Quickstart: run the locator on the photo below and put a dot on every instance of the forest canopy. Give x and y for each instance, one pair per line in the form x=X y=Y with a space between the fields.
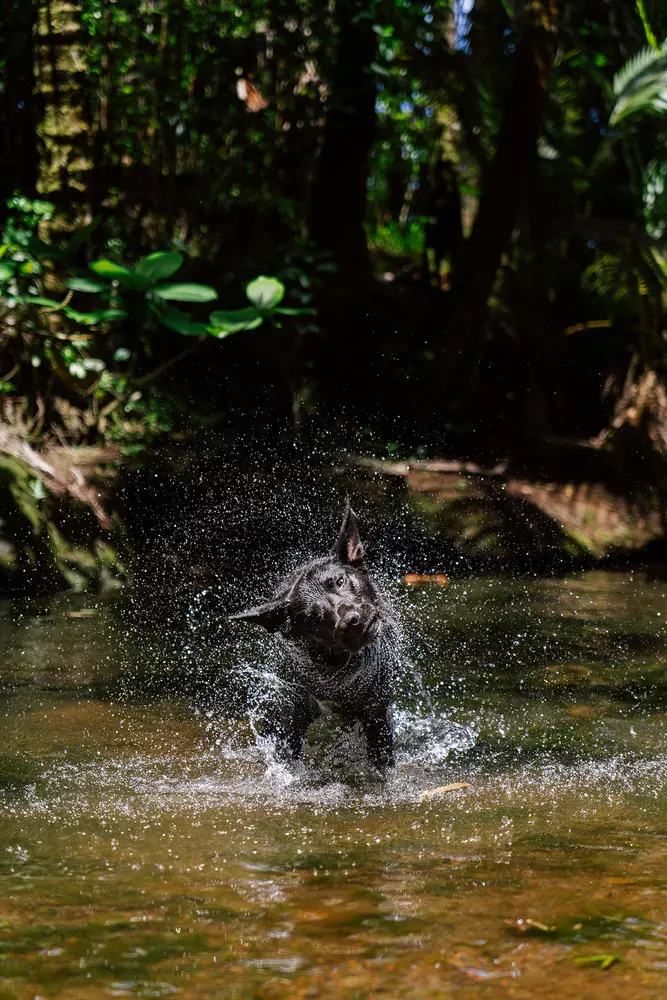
x=460 y=208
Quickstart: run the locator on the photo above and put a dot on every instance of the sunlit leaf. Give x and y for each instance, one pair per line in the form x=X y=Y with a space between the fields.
x=38 y=300
x=181 y=322
x=186 y=293
x=95 y=317
x=77 y=370
x=84 y=285
x=157 y=266
x=43 y=208
x=265 y=293
x=114 y=272
x=226 y=321
x=640 y=86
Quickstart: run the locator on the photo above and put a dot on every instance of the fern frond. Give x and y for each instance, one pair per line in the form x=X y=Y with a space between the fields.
x=641 y=85
x=639 y=63
x=606 y=274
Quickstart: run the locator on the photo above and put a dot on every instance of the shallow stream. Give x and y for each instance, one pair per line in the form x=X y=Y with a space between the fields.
x=146 y=849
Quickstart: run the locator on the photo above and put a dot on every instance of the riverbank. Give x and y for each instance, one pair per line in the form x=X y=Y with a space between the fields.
x=90 y=518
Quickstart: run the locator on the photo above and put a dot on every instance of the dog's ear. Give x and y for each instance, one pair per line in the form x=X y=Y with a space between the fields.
x=349 y=548
x=271 y=616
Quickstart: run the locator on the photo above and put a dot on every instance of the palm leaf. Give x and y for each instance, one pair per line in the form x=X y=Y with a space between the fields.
x=640 y=86
x=638 y=64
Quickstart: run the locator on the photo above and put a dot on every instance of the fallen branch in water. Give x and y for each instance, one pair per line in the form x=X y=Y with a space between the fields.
x=59 y=470
x=432 y=793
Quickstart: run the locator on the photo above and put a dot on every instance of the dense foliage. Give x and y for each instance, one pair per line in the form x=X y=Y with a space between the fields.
x=471 y=196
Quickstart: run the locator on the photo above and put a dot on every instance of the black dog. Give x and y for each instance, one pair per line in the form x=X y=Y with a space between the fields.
x=341 y=640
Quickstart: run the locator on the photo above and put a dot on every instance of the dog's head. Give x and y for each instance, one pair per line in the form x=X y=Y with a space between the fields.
x=330 y=601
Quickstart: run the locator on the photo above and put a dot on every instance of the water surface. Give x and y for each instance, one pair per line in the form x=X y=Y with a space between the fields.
x=147 y=850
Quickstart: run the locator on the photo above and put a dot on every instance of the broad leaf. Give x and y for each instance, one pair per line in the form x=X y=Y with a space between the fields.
x=181 y=322
x=111 y=315
x=93 y=318
x=114 y=272
x=226 y=321
x=157 y=266
x=38 y=300
x=186 y=293
x=6 y=271
x=84 y=285
x=265 y=293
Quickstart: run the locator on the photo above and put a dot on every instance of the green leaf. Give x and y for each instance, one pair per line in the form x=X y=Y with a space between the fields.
x=640 y=86
x=226 y=321
x=38 y=300
x=84 y=285
x=77 y=370
x=46 y=208
x=635 y=67
x=221 y=332
x=98 y=316
x=159 y=265
x=182 y=322
x=114 y=272
x=111 y=315
x=7 y=387
x=650 y=37
x=286 y=311
x=265 y=293
x=6 y=271
x=186 y=293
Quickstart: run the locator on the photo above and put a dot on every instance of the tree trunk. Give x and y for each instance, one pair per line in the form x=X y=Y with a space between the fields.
x=505 y=183
x=338 y=207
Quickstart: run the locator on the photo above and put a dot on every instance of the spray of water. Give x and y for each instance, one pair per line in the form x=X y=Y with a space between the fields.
x=226 y=538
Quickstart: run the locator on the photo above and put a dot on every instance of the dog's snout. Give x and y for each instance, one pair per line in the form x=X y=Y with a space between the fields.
x=346 y=616
x=349 y=619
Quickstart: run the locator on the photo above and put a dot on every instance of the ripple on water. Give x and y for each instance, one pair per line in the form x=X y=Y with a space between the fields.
x=431 y=751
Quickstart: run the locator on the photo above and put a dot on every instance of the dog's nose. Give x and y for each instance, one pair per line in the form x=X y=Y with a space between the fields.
x=348 y=620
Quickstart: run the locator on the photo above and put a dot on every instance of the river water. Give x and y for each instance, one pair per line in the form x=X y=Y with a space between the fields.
x=148 y=849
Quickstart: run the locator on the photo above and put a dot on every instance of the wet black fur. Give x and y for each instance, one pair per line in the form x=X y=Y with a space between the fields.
x=341 y=641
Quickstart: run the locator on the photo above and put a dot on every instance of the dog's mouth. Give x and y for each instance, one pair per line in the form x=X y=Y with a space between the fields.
x=354 y=639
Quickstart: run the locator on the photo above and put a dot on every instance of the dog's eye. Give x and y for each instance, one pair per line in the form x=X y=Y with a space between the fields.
x=340 y=581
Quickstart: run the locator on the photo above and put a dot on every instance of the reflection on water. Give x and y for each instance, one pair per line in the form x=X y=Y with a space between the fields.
x=146 y=850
